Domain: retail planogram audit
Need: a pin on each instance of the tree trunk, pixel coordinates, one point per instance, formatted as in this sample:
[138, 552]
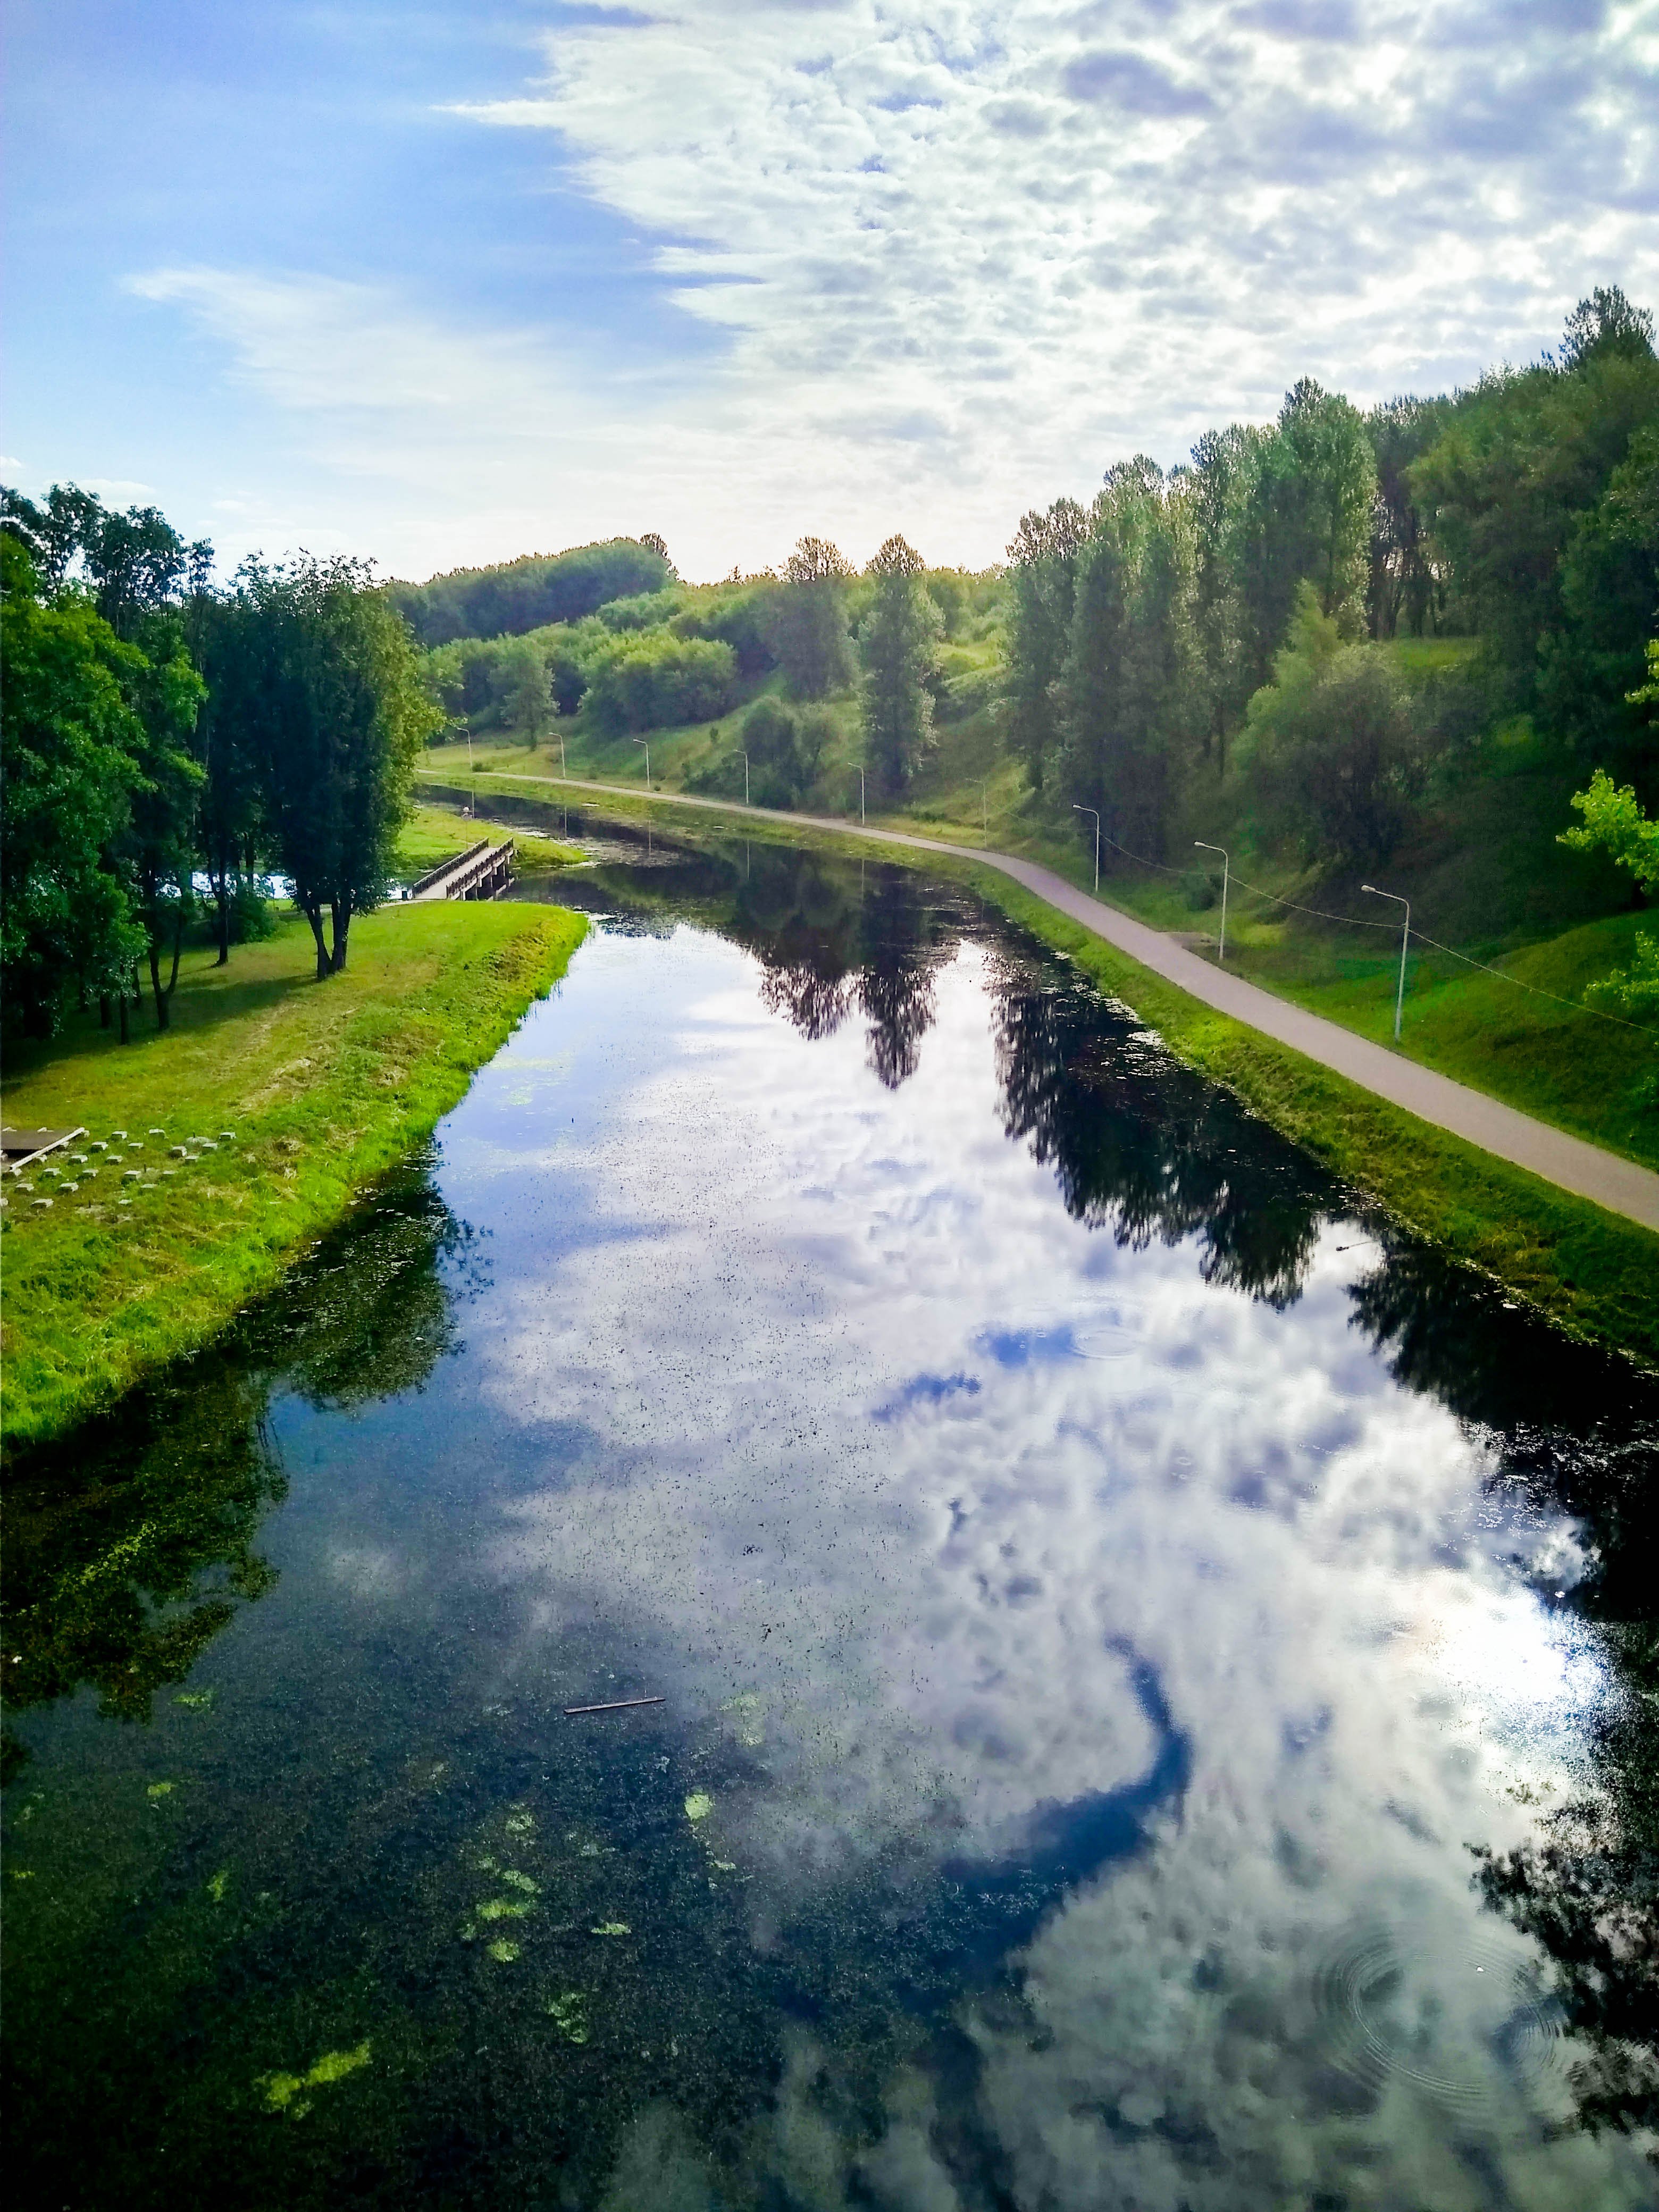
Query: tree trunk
[221, 894]
[178, 940]
[342, 914]
[156, 984]
[324, 967]
[103, 1010]
[124, 1010]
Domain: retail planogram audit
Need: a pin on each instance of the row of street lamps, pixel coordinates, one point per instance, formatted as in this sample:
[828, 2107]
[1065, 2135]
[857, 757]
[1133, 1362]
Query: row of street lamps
[1203, 845]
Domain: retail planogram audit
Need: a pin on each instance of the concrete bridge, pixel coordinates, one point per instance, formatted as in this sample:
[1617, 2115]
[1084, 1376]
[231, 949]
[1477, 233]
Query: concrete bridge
[483, 872]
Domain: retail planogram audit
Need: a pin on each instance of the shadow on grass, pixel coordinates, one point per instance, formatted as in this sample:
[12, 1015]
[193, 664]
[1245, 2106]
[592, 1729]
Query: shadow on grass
[204, 998]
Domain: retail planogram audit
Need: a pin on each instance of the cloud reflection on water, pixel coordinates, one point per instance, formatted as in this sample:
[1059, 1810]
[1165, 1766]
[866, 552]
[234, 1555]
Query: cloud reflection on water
[1180, 1455]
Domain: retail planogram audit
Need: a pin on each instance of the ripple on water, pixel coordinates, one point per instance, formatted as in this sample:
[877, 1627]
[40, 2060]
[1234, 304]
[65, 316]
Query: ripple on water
[1466, 2022]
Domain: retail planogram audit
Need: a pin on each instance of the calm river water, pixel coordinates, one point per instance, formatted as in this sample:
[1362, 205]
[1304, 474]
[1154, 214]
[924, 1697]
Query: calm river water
[1131, 1632]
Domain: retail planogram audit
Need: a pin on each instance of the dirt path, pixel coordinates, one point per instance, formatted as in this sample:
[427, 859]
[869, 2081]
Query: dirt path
[1620, 1185]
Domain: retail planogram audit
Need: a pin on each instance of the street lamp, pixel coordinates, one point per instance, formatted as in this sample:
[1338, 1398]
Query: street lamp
[745, 778]
[1089, 810]
[473, 773]
[641, 741]
[860, 798]
[563, 771]
[1405, 940]
[985, 809]
[1226, 870]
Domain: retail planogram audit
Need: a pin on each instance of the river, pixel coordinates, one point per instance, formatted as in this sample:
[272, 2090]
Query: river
[1153, 1665]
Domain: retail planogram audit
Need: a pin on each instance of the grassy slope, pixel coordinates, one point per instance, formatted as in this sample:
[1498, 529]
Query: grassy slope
[324, 1085]
[1589, 1270]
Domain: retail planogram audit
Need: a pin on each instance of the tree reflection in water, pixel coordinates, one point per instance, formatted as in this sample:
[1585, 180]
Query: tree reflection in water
[1574, 1436]
[131, 1546]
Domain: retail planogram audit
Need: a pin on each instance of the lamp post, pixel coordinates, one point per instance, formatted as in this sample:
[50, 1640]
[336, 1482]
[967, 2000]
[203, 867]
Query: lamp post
[1089, 810]
[1226, 870]
[563, 771]
[641, 741]
[860, 798]
[1405, 941]
[745, 778]
[985, 810]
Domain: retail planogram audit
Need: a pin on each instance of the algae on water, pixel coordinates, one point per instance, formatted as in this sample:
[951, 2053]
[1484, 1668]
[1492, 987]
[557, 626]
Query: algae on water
[698, 1806]
[285, 2093]
[568, 2014]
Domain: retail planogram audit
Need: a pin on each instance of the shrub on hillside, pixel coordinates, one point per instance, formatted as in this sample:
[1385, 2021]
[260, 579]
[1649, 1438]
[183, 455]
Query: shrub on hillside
[654, 679]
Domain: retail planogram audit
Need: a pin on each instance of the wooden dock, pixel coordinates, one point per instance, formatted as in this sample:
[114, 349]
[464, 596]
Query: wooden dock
[483, 872]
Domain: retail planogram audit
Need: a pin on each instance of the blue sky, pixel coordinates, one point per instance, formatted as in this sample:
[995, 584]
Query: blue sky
[444, 283]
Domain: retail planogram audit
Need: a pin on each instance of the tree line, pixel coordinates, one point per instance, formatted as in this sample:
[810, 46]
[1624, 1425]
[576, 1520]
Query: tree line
[1224, 617]
[164, 745]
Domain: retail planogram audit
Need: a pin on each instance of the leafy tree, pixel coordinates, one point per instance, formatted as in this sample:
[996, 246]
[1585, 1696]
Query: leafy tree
[525, 692]
[231, 821]
[1332, 744]
[338, 711]
[809, 620]
[785, 751]
[1212, 491]
[1404, 587]
[159, 842]
[1305, 517]
[530, 593]
[1042, 573]
[1126, 685]
[1609, 587]
[70, 738]
[899, 646]
[1614, 824]
[1523, 459]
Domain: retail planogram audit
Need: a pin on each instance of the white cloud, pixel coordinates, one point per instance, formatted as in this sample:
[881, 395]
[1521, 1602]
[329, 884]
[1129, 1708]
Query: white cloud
[1049, 235]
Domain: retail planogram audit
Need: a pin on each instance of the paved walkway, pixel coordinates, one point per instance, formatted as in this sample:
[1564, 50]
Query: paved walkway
[1584, 1169]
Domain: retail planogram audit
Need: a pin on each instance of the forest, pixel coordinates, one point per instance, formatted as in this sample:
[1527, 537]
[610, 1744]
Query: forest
[1305, 642]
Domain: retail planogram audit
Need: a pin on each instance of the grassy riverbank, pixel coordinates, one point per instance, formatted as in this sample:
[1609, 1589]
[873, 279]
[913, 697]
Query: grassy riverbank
[1590, 1271]
[321, 1086]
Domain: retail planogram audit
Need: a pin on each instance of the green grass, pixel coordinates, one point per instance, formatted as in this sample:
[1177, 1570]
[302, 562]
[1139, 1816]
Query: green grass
[325, 1086]
[1590, 1271]
[434, 834]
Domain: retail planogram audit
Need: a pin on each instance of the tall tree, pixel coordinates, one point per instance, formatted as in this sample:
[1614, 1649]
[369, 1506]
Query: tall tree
[1128, 683]
[899, 643]
[70, 736]
[160, 843]
[1403, 586]
[1042, 573]
[1214, 491]
[231, 823]
[1305, 517]
[808, 620]
[526, 692]
[340, 713]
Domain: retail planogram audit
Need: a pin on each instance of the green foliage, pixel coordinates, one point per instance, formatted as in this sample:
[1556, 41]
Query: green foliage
[652, 678]
[72, 738]
[530, 593]
[1126, 685]
[337, 711]
[1614, 824]
[525, 692]
[898, 643]
[1403, 589]
[1332, 745]
[1043, 560]
[808, 621]
[784, 751]
[1609, 584]
[1304, 515]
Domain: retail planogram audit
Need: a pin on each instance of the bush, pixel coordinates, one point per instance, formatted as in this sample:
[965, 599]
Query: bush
[1334, 744]
[655, 679]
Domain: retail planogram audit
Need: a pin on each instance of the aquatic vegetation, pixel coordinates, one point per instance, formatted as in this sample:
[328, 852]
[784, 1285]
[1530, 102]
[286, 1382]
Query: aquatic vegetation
[504, 1908]
[747, 1711]
[611, 1928]
[568, 2014]
[195, 1701]
[698, 1806]
[503, 1951]
[517, 1881]
[520, 1823]
[158, 1789]
[218, 1885]
[285, 2093]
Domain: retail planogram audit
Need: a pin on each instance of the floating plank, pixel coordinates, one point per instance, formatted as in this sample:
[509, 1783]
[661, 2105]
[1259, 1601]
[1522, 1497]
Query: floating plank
[20, 1146]
[619, 1706]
